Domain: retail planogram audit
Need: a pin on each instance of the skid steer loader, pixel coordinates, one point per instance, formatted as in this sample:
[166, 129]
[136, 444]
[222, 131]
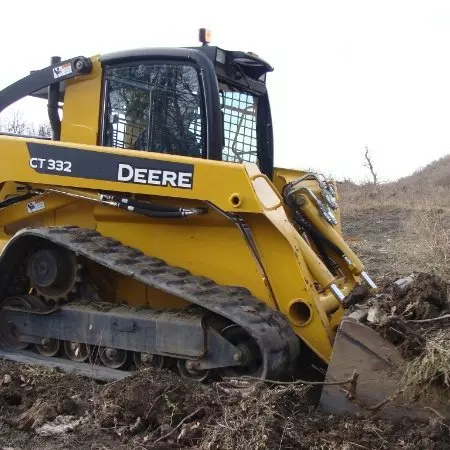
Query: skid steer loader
[153, 230]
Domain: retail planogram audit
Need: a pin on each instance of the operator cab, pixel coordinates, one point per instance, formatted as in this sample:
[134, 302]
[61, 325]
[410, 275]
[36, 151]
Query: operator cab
[202, 102]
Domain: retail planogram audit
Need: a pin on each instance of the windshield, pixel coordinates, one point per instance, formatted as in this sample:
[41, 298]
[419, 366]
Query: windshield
[154, 107]
[239, 111]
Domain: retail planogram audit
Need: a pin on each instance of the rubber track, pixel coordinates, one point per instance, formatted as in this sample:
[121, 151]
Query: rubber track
[276, 339]
[93, 371]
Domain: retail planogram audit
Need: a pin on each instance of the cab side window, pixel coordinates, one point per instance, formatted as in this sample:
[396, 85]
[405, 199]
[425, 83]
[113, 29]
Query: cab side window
[239, 112]
[154, 107]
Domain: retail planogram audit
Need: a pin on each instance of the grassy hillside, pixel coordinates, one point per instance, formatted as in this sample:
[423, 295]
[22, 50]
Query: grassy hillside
[401, 226]
[427, 188]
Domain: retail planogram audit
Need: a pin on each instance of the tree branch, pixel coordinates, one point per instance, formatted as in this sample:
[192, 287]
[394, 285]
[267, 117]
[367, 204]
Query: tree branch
[434, 319]
[178, 426]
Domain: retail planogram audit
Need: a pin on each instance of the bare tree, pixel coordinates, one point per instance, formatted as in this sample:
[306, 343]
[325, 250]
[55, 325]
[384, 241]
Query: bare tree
[44, 130]
[369, 165]
[16, 124]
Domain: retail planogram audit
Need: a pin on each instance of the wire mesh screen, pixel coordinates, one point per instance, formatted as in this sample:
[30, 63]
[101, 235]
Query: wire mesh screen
[154, 107]
[196, 127]
[239, 122]
[124, 132]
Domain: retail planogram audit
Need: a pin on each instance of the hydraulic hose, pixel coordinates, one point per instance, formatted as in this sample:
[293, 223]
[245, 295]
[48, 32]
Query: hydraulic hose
[302, 222]
[331, 265]
[14, 200]
[151, 213]
[150, 209]
[144, 205]
[180, 212]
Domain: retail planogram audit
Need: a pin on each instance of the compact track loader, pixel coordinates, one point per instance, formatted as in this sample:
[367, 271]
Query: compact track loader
[153, 229]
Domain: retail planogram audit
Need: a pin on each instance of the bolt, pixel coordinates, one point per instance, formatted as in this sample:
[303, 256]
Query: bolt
[78, 64]
[190, 365]
[111, 352]
[300, 200]
[146, 357]
[237, 356]
[43, 268]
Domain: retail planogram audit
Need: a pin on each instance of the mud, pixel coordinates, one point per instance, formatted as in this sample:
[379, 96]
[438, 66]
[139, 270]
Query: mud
[160, 410]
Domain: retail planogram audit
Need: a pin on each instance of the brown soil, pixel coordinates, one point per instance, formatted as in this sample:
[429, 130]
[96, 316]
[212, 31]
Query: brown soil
[394, 242]
[427, 298]
[146, 411]
[398, 308]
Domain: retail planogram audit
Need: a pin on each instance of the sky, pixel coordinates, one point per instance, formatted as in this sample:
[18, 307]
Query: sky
[347, 73]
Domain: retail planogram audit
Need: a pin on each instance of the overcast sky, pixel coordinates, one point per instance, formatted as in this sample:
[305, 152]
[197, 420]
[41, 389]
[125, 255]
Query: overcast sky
[347, 73]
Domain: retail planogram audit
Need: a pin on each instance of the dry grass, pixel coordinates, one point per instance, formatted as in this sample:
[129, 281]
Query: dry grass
[427, 188]
[264, 419]
[433, 365]
[428, 233]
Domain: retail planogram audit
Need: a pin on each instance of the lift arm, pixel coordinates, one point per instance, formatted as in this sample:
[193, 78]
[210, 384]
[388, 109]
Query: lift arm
[40, 79]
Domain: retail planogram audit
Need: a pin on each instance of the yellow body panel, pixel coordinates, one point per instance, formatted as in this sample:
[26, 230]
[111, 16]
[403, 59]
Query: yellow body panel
[82, 91]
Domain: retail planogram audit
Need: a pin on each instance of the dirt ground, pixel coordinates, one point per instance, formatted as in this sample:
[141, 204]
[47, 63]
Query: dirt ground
[390, 243]
[45, 409]
[48, 410]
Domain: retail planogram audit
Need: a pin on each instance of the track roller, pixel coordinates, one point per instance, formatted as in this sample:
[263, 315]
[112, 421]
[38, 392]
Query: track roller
[76, 352]
[7, 330]
[148, 360]
[113, 358]
[49, 347]
[187, 369]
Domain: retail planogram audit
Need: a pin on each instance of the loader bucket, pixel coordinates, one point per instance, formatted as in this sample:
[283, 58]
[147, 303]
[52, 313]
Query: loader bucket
[379, 388]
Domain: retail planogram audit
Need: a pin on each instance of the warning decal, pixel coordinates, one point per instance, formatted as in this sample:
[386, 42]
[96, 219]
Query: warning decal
[62, 70]
[35, 206]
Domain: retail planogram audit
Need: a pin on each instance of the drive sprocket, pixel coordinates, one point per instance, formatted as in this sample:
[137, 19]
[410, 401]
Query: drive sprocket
[53, 274]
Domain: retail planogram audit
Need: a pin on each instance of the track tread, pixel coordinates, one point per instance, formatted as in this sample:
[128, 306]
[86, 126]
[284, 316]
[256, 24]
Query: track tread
[268, 327]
